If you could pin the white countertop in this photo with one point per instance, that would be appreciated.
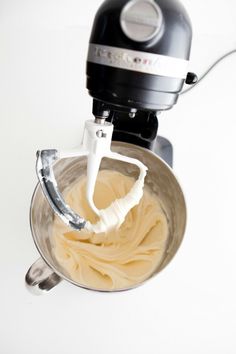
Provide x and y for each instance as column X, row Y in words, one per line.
column 190, row 307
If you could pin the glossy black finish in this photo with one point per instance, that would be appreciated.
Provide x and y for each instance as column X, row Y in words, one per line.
column 191, row 79
column 139, row 128
column 133, row 89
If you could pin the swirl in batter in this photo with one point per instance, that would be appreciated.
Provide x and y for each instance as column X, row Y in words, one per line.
column 120, row 258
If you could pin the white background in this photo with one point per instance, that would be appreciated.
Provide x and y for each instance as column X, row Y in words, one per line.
column 191, row 306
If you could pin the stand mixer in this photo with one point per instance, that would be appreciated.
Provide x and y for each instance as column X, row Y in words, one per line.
column 137, row 65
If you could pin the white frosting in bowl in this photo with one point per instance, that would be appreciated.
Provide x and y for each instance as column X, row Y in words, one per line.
column 119, row 258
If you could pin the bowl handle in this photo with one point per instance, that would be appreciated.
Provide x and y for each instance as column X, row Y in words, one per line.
column 40, row 278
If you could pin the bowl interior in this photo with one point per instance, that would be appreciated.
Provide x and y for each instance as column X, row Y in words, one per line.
column 160, row 179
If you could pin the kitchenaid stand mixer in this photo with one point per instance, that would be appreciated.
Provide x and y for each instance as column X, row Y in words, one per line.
column 136, row 67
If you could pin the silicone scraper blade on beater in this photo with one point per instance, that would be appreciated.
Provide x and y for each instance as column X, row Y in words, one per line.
column 96, row 145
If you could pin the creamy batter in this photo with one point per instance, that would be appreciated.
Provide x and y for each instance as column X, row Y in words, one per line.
column 119, row 258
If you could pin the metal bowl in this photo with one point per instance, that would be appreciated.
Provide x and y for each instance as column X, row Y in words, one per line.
column 46, row 272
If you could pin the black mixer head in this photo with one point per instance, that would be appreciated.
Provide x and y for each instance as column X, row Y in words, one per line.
column 138, row 55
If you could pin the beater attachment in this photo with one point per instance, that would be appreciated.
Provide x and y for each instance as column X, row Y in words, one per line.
column 96, row 145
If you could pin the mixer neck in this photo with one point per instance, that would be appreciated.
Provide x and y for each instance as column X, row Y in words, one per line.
column 131, row 125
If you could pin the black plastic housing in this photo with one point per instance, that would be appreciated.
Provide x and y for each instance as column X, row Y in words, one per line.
column 125, row 88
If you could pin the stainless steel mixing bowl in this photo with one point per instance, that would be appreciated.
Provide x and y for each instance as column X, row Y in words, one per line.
column 46, row 272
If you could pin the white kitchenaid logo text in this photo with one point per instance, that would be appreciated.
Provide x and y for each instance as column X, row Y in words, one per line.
column 138, row 61
column 120, row 56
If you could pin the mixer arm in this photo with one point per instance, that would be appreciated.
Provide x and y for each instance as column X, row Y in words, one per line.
column 47, row 180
